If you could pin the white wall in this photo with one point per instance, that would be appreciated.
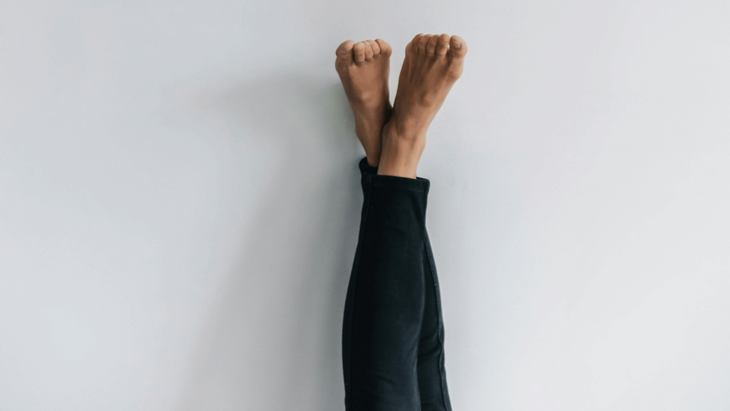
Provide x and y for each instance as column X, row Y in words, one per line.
column 179, row 203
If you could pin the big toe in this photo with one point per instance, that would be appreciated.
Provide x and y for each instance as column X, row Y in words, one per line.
column 344, row 52
column 385, row 49
column 423, row 43
column 458, row 47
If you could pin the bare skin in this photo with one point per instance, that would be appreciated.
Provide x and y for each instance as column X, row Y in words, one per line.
column 394, row 137
column 432, row 65
column 363, row 68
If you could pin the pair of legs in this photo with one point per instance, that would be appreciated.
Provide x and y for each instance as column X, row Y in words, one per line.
column 393, row 335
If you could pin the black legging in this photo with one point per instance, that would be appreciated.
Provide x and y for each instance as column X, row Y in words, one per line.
column 393, row 334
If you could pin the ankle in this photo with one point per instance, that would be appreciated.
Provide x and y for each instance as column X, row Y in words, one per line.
column 403, row 136
column 406, row 129
column 373, row 157
column 398, row 166
column 400, row 154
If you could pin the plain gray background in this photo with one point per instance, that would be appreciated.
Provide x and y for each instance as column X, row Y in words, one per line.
column 179, row 202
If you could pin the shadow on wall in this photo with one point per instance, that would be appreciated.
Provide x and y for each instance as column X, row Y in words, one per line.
column 273, row 342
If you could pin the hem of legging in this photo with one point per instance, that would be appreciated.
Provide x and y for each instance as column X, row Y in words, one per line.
column 416, row 184
column 366, row 168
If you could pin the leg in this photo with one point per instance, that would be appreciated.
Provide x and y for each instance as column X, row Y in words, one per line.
column 393, row 330
column 431, row 67
column 429, row 379
column 386, row 297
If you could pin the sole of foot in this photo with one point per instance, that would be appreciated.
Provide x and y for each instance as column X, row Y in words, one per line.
column 363, row 68
column 432, row 65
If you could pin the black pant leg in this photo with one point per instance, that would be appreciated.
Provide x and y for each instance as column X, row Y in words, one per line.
column 386, row 296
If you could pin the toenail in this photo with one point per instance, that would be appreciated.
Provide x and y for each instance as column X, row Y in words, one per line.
column 457, row 45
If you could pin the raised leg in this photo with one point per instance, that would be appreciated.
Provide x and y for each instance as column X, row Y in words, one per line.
column 386, row 297
column 411, row 350
column 393, row 356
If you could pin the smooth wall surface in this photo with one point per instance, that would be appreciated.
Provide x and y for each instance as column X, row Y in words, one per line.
column 179, row 203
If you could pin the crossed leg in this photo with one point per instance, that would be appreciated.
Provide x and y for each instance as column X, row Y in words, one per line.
column 393, row 356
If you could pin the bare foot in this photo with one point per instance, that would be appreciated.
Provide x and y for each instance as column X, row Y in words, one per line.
column 432, row 65
column 363, row 68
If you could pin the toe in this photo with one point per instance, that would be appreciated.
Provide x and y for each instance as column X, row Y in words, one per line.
column 443, row 44
column 344, row 52
column 431, row 45
column 385, row 48
column 368, row 50
column 458, row 47
column 375, row 47
column 422, row 43
column 412, row 47
column 359, row 50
